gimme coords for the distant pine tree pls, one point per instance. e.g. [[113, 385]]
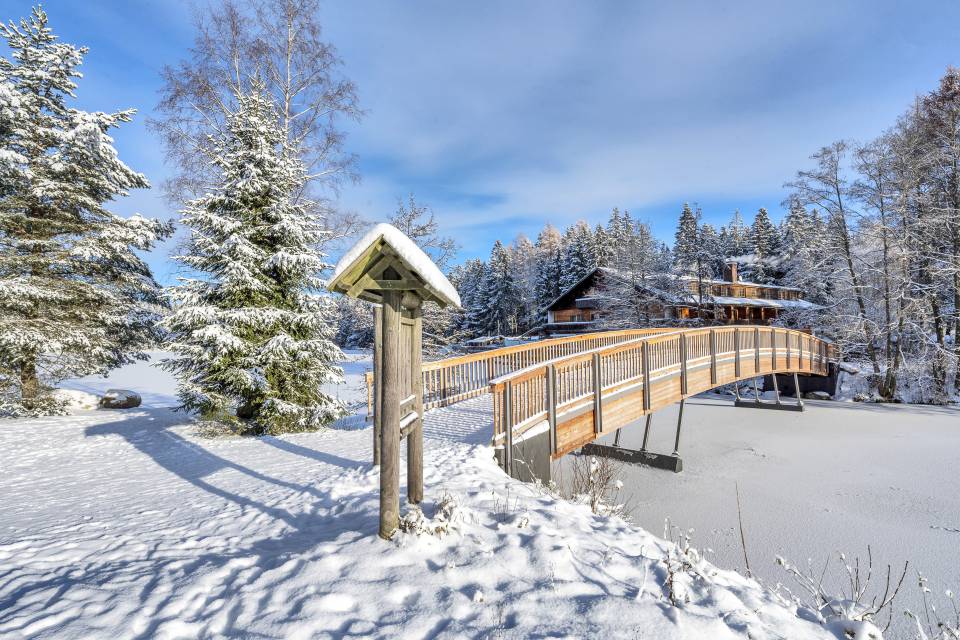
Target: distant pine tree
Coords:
[[498, 293], [253, 341], [686, 240], [75, 298], [578, 254], [549, 268], [766, 242]]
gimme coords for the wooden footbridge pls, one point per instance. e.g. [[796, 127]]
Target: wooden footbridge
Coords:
[[559, 395]]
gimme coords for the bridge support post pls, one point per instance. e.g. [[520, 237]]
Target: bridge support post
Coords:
[[796, 390], [676, 442], [757, 403]]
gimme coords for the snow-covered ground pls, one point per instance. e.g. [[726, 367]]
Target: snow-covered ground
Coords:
[[128, 524], [837, 477]]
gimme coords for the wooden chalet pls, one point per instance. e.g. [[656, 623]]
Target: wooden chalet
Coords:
[[583, 307]]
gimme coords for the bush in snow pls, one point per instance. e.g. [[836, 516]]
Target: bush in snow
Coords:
[[596, 482], [448, 517], [75, 298], [931, 624], [856, 612], [253, 340]]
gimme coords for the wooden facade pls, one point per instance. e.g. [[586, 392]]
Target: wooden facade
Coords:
[[582, 308]]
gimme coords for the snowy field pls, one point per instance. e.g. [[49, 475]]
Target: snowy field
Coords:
[[128, 524], [837, 477]]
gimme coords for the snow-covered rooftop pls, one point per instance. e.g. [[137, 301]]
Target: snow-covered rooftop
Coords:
[[408, 251]]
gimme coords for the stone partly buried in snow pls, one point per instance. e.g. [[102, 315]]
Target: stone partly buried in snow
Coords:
[[817, 395], [120, 399]]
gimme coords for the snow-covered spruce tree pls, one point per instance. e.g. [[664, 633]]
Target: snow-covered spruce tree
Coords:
[[578, 254], [685, 242], [499, 297], [549, 268], [75, 298], [253, 342], [766, 243]]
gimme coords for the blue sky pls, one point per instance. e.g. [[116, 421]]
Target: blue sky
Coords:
[[505, 115]]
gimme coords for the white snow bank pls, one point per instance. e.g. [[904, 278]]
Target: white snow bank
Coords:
[[130, 525], [406, 249], [77, 400]]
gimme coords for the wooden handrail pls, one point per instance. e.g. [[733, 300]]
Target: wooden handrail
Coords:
[[454, 379], [702, 358]]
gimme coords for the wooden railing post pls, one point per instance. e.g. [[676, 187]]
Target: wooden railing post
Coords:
[[645, 357], [508, 428], [683, 364], [736, 351], [713, 356], [787, 334], [597, 395], [551, 388], [773, 348], [756, 350]]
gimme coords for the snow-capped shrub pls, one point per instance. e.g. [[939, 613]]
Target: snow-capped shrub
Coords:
[[596, 482], [448, 517], [857, 611]]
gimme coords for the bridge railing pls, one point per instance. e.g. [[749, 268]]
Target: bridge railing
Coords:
[[600, 390], [454, 379]]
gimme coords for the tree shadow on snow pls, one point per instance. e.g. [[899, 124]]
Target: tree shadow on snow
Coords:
[[346, 521]]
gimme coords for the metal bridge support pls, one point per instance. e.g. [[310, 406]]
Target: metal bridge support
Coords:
[[757, 403], [669, 462]]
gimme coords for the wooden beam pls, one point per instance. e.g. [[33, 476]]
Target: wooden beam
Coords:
[[390, 425], [415, 439]]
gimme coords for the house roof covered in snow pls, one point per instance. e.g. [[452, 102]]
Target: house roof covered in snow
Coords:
[[360, 271]]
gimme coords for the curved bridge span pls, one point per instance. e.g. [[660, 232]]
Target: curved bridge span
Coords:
[[564, 393]]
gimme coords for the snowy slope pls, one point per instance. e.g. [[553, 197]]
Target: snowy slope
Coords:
[[127, 524]]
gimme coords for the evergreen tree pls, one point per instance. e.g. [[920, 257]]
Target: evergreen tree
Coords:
[[766, 243], [685, 249], [469, 281], [75, 298], [711, 253], [603, 249], [549, 268], [523, 257], [253, 342], [578, 254], [499, 297], [739, 242]]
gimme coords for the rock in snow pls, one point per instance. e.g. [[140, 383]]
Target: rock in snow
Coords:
[[120, 399], [817, 395]]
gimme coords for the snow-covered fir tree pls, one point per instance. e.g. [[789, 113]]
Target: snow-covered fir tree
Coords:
[[498, 295], [766, 243], [253, 342], [523, 257], [75, 298], [469, 279], [549, 267], [686, 240], [578, 254], [737, 237], [603, 247]]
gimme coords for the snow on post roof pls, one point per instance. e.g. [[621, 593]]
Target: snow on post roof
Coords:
[[388, 240]]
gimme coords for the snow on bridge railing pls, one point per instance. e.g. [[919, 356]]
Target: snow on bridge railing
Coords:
[[454, 379], [642, 375]]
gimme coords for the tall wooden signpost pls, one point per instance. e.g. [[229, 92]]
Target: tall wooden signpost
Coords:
[[387, 268]]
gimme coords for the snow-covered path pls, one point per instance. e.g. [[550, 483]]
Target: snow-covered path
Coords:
[[127, 524]]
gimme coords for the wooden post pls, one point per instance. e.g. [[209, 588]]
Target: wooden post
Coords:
[[676, 442], [377, 382], [683, 365], [597, 395], [773, 348], [508, 428], [390, 424], [645, 355], [646, 432], [736, 350], [552, 406], [713, 356], [756, 350], [415, 438]]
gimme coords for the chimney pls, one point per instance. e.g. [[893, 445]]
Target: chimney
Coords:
[[730, 271]]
